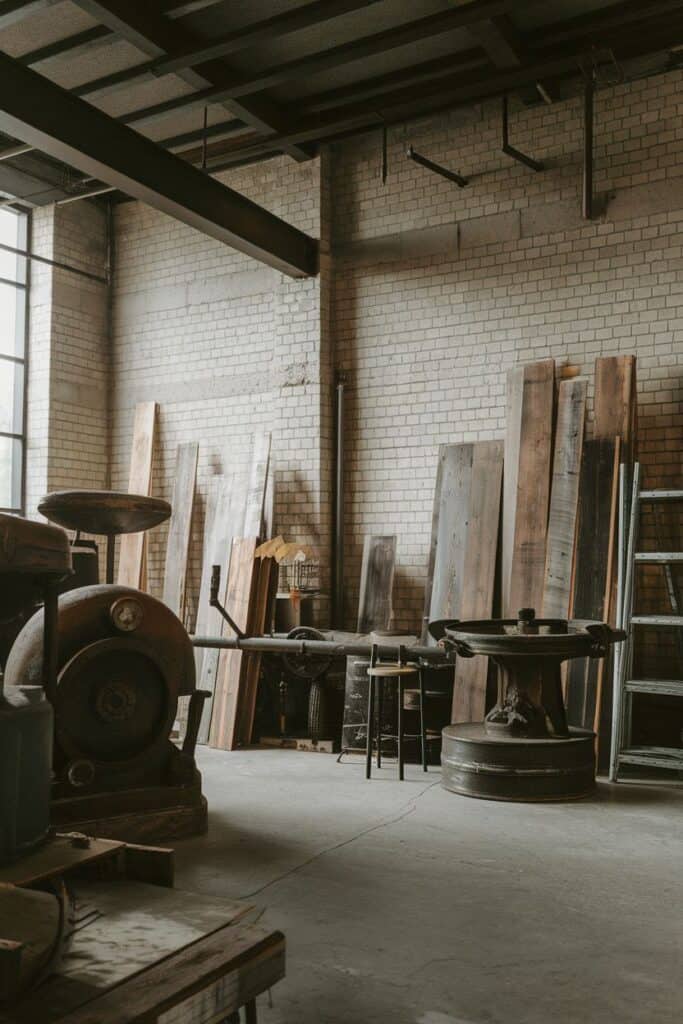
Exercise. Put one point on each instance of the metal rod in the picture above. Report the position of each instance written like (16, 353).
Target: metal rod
(385, 164)
(322, 648)
(338, 560)
(12, 151)
(90, 194)
(215, 601)
(436, 168)
(589, 90)
(50, 263)
(511, 151)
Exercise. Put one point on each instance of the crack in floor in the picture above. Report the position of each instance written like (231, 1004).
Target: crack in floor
(412, 805)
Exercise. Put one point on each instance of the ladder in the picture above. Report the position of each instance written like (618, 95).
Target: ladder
(628, 559)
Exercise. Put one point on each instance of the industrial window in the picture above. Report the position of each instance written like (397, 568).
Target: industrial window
(14, 277)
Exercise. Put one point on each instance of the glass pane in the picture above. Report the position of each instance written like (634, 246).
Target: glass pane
(12, 232)
(10, 473)
(11, 397)
(12, 313)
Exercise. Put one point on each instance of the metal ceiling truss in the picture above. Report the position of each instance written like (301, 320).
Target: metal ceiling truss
(69, 129)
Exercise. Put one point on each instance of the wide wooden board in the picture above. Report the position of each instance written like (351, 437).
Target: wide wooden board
(240, 594)
(449, 525)
(479, 573)
(594, 566)
(376, 583)
(564, 498)
(615, 406)
(524, 564)
(180, 528)
(256, 488)
(131, 548)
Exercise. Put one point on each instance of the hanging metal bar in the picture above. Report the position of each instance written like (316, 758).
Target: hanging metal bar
(385, 165)
(588, 95)
(509, 150)
(338, 560)
(436, 168)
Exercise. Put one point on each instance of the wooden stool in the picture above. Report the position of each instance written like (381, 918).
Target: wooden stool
(398, 671)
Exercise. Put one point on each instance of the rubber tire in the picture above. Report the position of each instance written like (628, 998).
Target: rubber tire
(318, 713)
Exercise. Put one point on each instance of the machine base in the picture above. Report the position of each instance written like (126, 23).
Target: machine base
(473, 763)
(150, 814)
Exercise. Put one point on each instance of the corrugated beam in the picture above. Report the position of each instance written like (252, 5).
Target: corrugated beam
(158, 36)
(40, 113)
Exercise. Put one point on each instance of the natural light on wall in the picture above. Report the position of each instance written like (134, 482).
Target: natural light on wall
(13, 308)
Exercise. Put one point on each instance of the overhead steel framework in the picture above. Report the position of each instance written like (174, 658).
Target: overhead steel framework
(38, 112)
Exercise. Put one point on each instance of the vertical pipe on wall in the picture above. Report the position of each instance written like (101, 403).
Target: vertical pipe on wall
(338, 601)
(589, 89)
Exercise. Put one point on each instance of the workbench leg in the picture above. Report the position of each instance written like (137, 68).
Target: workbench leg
(401, 698)
(250, 1012)
(371, 709)
(379, 697)
(423, 731)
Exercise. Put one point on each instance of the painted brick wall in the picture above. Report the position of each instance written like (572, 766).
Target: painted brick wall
(438, 291)
(227, 347)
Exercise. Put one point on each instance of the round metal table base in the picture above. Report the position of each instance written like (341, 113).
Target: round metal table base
(473, 763)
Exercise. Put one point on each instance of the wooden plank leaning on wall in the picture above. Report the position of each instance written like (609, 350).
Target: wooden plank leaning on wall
(132, 546)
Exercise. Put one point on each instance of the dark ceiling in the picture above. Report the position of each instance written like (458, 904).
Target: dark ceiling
(226, 83)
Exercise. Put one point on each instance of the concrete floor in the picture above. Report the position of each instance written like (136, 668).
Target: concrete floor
(405, 904)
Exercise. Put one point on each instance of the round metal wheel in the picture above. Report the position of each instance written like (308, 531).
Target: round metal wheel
(306, 667)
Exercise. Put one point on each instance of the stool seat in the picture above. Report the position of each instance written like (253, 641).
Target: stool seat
(388, 670)
(104, 512)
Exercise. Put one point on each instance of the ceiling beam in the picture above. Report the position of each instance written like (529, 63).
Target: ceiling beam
(253, 85)
(505, 48)
(69, 129)
(449, 92)
(157, 36)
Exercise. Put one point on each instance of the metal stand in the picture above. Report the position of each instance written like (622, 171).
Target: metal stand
(377, 675)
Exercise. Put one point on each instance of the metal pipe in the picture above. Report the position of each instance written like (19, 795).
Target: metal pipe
(12, 151)
(338, 560)
(322, 648)
(589, 90)
(52, 263)
(423, 161)
(512, 151)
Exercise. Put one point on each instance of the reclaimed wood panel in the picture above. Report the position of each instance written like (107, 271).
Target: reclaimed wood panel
(594, 565)
(260, 617)
(131, 546)
(376, 583)
(479, 573)
(532, 416)
(238, 601)
(564, 498)
(449, 526)
(252, 521)
(180, 527)
(615, 406)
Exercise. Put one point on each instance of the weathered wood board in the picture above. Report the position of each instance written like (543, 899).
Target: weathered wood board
(615, 406)
(564, 498)
(252, 521)
(261, 611)
(479, 572)
(180, 528)
(449, 527)
(528, 458)
(131, 547)
(594, 564)
(376, 583)
(240, 595)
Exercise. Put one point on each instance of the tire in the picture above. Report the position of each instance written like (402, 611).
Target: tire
(318, 716)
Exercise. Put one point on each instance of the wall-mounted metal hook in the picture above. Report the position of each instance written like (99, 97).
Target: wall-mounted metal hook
(436, 168)
(509, 150)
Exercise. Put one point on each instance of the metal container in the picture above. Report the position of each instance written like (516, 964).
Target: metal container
(25, 769)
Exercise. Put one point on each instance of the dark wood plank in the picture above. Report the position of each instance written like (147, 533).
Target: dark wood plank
(593, 565)
(479, 572)
(527, 563)
(564, 498)
(615, 405)
(376, 583)
(266, 584)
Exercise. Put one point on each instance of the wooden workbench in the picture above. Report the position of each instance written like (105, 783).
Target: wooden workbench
(143, 952)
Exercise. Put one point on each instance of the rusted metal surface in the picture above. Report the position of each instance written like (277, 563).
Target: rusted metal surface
(524, 749)
(104, 512)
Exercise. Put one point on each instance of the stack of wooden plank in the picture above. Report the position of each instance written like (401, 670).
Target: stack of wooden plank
(556, 538)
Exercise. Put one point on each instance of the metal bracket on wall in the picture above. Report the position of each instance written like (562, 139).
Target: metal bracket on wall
(588, 95)
(436, 168)
(385, 161)
(509, 150)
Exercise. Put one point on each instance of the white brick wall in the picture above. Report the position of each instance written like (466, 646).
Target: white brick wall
(427, 295)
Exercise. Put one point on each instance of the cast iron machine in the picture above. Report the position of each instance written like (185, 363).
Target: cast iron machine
(120, 659)
(524, 749)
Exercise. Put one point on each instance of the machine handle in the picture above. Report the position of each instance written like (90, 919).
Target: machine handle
(215, 602)
(194, 718)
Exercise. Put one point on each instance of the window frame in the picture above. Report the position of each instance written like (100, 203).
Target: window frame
(22, 361)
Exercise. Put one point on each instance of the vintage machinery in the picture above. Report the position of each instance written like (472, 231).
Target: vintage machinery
(120, 661)
(524, 750)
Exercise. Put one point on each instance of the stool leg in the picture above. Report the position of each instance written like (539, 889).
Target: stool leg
(400, 728)
(250, 1012)
(423, 731)
(371, 709)
(380, 700)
